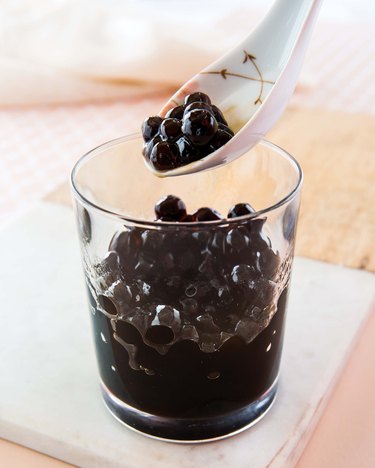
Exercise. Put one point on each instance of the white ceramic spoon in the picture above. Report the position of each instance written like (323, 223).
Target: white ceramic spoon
(253, 82)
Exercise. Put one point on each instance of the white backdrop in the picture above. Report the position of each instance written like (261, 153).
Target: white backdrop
(78, 50)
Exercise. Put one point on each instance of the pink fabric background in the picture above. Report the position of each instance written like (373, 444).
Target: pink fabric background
(345, 435)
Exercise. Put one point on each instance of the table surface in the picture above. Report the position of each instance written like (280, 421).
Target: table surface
(38, 146)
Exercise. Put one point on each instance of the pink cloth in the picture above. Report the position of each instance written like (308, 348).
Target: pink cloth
(345, 435)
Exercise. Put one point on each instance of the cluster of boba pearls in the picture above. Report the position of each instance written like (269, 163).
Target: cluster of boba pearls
(187, 133)
(172, 208)
(196, 283)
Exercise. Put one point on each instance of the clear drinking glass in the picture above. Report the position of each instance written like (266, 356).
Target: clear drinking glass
(188, 318)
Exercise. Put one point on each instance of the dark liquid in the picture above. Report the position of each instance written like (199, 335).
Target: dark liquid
(217, 287)
(187, 382)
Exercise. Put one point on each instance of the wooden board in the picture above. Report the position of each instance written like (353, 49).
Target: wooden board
(336, 151)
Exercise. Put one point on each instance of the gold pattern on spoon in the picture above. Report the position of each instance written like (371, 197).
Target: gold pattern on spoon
(224, 73)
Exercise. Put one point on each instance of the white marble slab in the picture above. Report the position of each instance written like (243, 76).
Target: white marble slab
(49, 394)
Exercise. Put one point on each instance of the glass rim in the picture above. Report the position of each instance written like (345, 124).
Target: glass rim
(225, 221)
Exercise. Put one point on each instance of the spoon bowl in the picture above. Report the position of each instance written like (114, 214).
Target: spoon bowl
(253, 82)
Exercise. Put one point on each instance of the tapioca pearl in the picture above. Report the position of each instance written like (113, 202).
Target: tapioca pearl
(144, 267)
(167, 262)
(207, 266)
(217, 242)
(197, 105)
(141, 317)
(170, 129)
(187, 219)
(192, 243)
(236, 239)
(259, 241)
(170, 208)
(159, 335)
(140, 291)
(199, 126)
(240, 209)
(209, 342)
(152, 240)
(206, 324)
(197, 97)
(241, 295)
(202, 237)
(167, 315)
(187, 151)
(206, 214)
(150, 127)
(107, 304)
(127, 244)
(227, 322)
(220, 139)
(110, 263)
(243, 274)
(176, 113)
(268, 263)
(189, 306)
(128, 332)
(266, 290)
(224, 295)
(120, 292)
(189, 332)
(254, 226)
(219, 116)
(164, 156)
(187, 260)
(206, 292)
(148, 146)
(258, 314)
(145, 288)
(247, 329)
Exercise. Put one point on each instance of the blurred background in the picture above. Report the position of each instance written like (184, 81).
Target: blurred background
(74, 73)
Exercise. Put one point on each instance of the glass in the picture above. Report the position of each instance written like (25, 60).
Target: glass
(188, 318)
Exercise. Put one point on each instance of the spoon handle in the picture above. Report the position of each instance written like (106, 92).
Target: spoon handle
(287, 22)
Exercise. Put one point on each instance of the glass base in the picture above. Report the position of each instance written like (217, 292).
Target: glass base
(189, 430)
